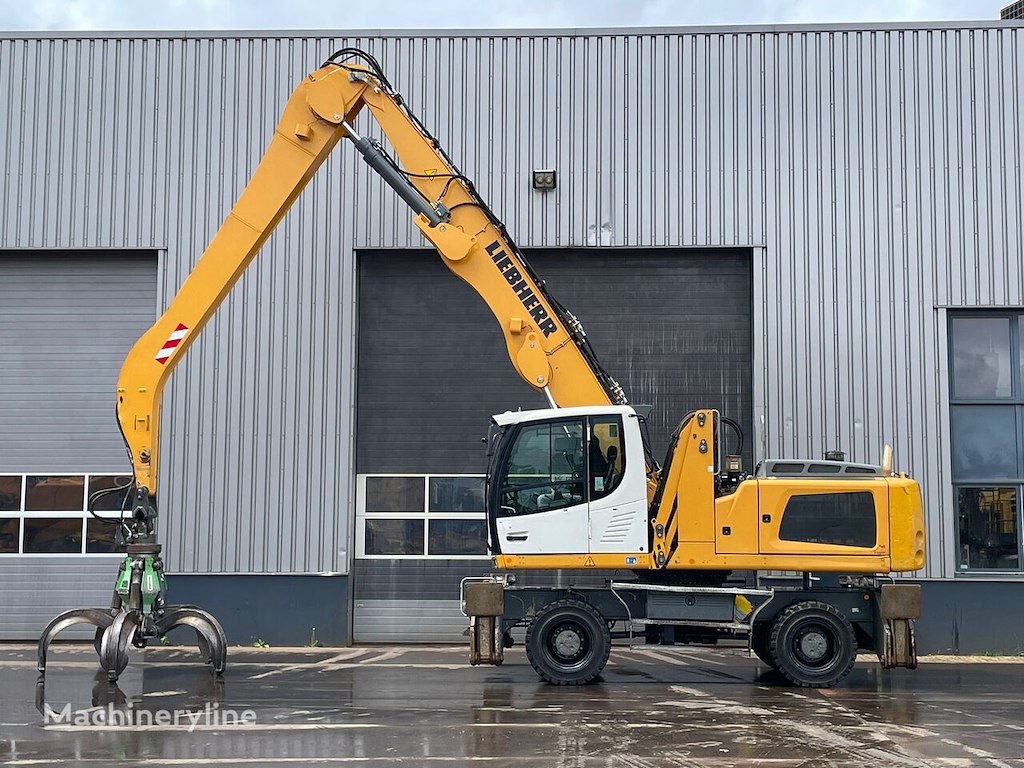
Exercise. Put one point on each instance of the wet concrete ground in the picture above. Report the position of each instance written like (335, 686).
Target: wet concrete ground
(656, 706)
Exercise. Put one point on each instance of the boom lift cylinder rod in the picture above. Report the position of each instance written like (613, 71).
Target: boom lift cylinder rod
(376, 159)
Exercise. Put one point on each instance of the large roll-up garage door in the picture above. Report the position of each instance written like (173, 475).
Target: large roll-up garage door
(66, 321)
(673, 326)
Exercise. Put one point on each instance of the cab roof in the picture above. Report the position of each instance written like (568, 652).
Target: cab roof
(518, 417)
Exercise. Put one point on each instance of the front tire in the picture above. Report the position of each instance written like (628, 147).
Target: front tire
(568, 643)
(812, 644)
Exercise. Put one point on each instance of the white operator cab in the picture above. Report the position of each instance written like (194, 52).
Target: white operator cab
(567, 481)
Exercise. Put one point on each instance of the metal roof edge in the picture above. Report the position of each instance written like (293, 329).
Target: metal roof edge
(498, 32)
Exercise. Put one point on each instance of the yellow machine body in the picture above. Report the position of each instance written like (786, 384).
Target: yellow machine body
(693, 527)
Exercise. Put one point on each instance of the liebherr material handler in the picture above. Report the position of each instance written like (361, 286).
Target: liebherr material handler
(570, 486)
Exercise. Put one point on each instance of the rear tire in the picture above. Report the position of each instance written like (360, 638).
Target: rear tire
(759, 644)
(812, 644)
(568, 643)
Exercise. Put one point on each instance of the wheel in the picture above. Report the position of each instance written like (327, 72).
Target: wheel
(812, 644)
(759, 644)
(568, 643)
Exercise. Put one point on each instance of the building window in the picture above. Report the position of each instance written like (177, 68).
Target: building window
(47, 514)
(420, 516)
(987, 437)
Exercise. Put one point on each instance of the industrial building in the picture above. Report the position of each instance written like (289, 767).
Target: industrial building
(816, 230)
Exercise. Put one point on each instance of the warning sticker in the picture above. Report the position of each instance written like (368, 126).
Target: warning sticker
(172, 343)
(589, 562)
(431, 172)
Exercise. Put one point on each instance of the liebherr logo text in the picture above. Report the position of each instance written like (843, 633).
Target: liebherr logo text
(525, 293)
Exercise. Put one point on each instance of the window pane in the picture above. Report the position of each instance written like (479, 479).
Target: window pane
(110, 502)
(394, 494)
(530, 459)
(394, 537)
(830, 518)
(458, 537)
(981, 356)
(10, 493)
(607, 459)
(10, 530)
(456, 494)
(545, 469)
(984, 441)
(58, 535)
(55, 494)
(100, 536)
(988, 528)
(546, 452)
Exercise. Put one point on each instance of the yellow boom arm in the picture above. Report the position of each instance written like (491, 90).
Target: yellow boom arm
(550, 356)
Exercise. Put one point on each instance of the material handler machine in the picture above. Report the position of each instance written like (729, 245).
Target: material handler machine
(570, 486)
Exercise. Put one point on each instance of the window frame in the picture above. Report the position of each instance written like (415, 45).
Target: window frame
(424, 514)
(82, 515)
(584, 476)
(1014, 401)
(607, 419)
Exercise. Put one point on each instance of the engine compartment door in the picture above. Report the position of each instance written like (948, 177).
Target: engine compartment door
(840, 517)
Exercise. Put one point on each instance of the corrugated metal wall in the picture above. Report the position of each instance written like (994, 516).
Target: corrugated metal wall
(880, 168)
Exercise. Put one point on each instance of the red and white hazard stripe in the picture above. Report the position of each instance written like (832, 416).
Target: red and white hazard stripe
(172, 342)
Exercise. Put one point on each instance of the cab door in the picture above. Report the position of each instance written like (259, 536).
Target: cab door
(617, 487)
(542, 492)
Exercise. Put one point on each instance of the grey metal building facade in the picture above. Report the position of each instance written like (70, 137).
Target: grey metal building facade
(872, 173)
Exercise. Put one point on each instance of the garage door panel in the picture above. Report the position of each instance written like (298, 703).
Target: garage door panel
(674, 327)
(66, 323)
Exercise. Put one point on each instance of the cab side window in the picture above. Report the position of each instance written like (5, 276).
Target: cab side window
(545, 469)
(607, 458)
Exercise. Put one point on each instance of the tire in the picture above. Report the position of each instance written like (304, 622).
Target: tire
(812, 644)
(568, 643)
(759, 644)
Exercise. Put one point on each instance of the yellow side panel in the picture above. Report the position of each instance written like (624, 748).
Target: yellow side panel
(906, 532)
(776, 492)
(736, 520)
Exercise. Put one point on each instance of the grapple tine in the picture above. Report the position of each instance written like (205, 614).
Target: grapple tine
(204, 647)
(101, 618)
(114, 644)
(213, 645)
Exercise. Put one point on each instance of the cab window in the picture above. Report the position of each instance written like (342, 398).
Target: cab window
(545, 469)
(607, 459)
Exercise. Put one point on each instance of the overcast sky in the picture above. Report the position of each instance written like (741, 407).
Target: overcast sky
(466, 14)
